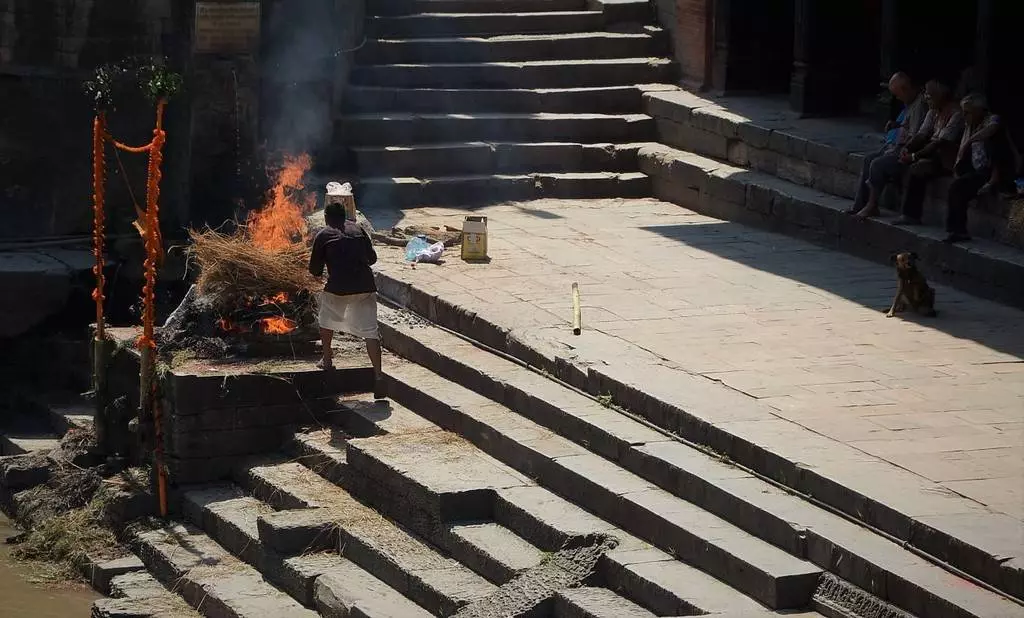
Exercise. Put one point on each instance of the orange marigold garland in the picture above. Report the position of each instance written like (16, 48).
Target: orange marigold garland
(158, 83)
(99, 131)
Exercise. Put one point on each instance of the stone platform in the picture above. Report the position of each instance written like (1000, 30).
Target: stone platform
(219, 412)
(769, 350)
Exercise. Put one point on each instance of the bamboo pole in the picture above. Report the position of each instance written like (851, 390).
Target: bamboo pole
(577, 312)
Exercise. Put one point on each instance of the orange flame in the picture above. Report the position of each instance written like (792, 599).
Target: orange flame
(281, 222)
(227, 326)
(276, 299)
(277, 326)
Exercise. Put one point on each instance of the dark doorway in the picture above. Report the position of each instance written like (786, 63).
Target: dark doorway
(753, 45)
(935, 40)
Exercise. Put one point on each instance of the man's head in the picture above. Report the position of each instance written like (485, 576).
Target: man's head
(975, 107)
(902, 87)
(937, 94)
(334, 215)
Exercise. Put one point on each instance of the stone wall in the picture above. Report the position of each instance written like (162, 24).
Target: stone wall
(690, 21)
(46, 48)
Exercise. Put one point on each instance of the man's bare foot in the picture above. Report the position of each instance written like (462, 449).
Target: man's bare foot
(869, 211)
(325, 362)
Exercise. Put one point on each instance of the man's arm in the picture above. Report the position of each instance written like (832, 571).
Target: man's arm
(316, 257)
(368, 252)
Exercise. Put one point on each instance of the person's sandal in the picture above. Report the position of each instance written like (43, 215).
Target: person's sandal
(325, 364)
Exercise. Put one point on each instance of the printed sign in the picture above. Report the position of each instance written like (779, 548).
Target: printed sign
(227, 27)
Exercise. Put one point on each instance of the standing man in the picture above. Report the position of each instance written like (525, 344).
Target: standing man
(349, 301)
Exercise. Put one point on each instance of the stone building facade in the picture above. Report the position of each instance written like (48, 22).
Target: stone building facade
(278, 91)
(831, 57)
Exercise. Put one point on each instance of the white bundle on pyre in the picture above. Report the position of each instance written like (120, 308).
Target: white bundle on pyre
(253, 285)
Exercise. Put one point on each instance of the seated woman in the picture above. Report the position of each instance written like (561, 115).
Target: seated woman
(349, 300)
(986, 163)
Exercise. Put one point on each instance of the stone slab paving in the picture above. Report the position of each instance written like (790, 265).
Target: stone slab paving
(795, 326)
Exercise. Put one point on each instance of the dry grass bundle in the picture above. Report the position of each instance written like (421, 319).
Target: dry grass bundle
(233, 269)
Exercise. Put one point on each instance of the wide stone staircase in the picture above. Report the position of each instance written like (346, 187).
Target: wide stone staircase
(486, 489)
(461, 101)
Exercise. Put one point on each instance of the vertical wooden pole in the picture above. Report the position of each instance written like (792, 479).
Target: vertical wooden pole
(577, 311)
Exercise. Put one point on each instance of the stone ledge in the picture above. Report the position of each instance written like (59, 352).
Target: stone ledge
(682, 409)
(732, 193)
(763, 135)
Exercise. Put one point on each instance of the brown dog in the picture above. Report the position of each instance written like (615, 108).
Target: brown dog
(913, 291)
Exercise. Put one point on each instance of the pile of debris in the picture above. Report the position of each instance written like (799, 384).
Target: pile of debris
(253, 288)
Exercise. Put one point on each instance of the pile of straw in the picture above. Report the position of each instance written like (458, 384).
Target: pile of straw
(232, 269)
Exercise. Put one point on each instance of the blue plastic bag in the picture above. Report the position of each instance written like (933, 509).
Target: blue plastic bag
(415, 246)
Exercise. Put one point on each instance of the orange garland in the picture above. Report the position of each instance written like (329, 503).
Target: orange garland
(99, 131)
(150, 230)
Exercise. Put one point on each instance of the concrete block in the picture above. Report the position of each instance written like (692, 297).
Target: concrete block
(293, 532)
(210, 577)
(596, 603)
(19, 472)
(101, 573)
(492, 550)
(796, 170)
(826, 155)
(347, 590)
(754, 134)
(737, 150)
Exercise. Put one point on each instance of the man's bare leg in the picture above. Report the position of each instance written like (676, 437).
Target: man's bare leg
(871, 208)
(374, 352)
(327, 355)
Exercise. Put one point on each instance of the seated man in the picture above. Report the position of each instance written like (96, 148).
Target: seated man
(932, 152)
(987, 162)
(884, 166)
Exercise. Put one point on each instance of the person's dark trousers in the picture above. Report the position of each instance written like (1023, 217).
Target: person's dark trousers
(963, 189)
(918, 177)
(863, 192)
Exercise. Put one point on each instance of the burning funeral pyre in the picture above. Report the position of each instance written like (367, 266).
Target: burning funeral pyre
(253, 286)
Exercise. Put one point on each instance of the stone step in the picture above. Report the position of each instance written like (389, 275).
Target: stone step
(390, 129)
(411, 7)
(230, 517)
(73, 415)
(208, 577)
(139, 595)
(466, 190)
(409, 565)
(634, 569)
(19, 443)
(648, 42)
(733, 193)
(513, 75)
(486, 158)
(743, 561)
(613, 100)
(587, 602)
(492, 550)
(486, 547)
(543, 520)
(758, 507)
(465, 24)
(347, 590)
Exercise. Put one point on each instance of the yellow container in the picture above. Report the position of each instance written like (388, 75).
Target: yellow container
(474, 239)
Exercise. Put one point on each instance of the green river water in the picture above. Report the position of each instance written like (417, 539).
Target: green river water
(20, 598)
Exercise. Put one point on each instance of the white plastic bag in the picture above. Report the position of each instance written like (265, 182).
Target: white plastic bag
(430, 255)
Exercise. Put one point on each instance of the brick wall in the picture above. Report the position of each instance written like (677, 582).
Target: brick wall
(691, 40)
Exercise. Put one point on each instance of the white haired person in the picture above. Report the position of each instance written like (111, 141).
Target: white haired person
(987, 163)
(349, 301)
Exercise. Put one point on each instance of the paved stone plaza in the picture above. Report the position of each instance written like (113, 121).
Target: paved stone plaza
(932, 407)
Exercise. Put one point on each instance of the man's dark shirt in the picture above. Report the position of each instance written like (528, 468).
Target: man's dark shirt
(348, 259)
